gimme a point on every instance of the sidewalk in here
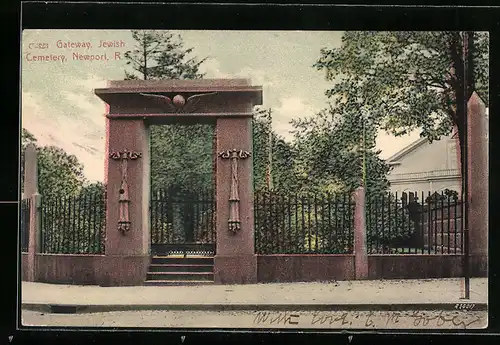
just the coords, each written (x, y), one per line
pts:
(428, 294)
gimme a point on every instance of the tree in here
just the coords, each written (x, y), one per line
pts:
(72, 209)
(283, 155)
(59, 173)
(332, 150)
(407, 80)
(181, 155)
(161, 55)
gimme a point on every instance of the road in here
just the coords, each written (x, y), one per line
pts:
(263, 319)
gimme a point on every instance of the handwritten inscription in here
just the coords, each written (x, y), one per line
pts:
(283, 318)
(462, 319)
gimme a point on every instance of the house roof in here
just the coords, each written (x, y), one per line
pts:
(421, 141)
(406, 150)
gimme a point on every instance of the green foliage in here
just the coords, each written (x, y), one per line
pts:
(158, 54)
(307, 223)
(388, 223)
(73, 211)
(396, 81)
(97, 189)
(182, 157)
(75, 224)
(58, 172)
(283, 155)
(404, 80)
(446, 196)
(332, 151)
(180, 216)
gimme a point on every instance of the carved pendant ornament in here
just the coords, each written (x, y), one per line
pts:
(124, 199)
(178, 104)
(234, 199)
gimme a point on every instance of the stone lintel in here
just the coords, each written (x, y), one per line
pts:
(126, 94)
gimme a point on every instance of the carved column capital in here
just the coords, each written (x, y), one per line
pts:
(125, 154)
(234, 154)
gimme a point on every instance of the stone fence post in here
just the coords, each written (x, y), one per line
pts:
(360, 252)
(31, 193)
(34, 244)
(477, 151)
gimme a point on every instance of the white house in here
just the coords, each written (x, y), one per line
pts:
(426, 167)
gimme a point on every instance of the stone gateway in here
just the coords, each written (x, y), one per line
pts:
(134, 106)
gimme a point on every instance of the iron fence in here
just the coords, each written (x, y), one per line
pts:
(285, 223)
(182, 217)
(310, 223)
(414, 224)
(25, 224)
(73, 225)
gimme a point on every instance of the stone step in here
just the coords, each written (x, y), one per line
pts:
(203, 276)
(191, 249)
(179, 260)
(208, 268)
(176, 282)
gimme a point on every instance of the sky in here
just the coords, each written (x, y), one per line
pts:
(60, 108)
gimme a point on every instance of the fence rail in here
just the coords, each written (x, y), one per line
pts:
(285, 223)
(25, 224)
(303, 224)
(73, 225)
(403, 225)
(180, 218)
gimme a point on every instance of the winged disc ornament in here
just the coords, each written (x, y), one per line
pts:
(178, 104)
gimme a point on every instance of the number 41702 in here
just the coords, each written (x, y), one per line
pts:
(464, 306)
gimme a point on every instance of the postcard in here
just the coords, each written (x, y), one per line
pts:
(254, 179)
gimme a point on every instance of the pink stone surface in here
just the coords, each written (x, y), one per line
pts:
(34, 237)
(133, 105)
(30, 192)
(69, 268)
(30, 171)
(478, 176)
(106, 145)
(304, 268)
(234, 134)
(24, 267)
(132, 136)
(123, 270)
(238, 269)
(415, 266)
(120, 271)
(233, 97)
(235, 260)
(177, 84)
(128, 113)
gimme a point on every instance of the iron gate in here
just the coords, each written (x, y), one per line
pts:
(182, 222)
